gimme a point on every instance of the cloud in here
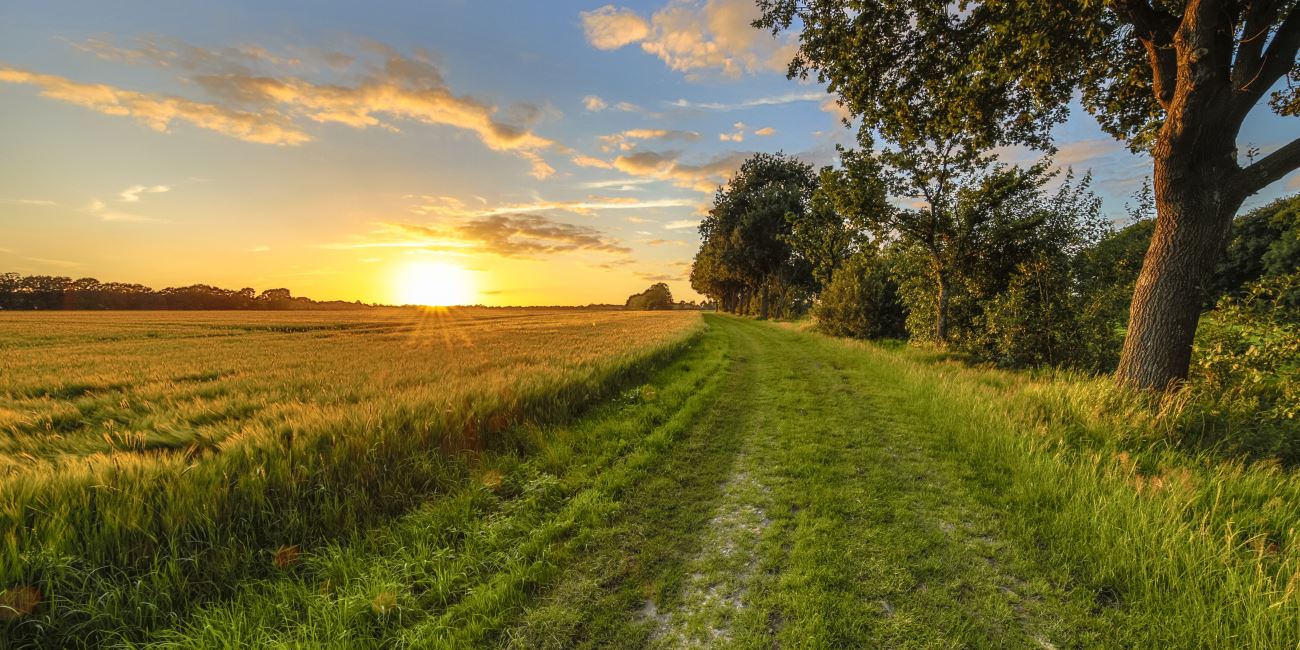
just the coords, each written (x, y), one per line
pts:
(101, 210)
(609, 28)
(665, 242)
(704, 177)
(594, 104)
(691, 36)
(621, 184)
(158, 112)
(834, 107)
(132, 194)
(1074, 153)
(260, 106)
(450, 207)
(1294, 183)
(681, 224)
(624, 140)
(765, 131)
(657, 277)
(67, 264)
(737, 136)
(771, 100)
(583, 160)
(35, 202)
(517, 236)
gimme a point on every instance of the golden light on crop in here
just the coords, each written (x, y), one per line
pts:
(435, 284)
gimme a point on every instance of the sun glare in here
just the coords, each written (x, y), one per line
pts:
(435, 284)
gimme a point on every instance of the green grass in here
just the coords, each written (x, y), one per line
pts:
(770, 486)
(153, 460)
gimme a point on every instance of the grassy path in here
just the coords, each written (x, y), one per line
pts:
(806, 511)
(774, 488)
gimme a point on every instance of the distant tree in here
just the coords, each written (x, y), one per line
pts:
(745, 252)
(1173, 79)
(657, 297)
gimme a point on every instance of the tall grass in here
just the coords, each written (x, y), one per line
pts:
(1180, 545)
(174, 453)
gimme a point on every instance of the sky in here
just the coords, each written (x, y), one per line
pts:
(527, 152)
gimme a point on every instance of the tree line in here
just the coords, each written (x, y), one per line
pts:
(19, 292)
(1015, 265)
(949, 82)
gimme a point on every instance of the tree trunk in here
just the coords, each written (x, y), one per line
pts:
(941, 311)
(764, 298)
(1194, 211)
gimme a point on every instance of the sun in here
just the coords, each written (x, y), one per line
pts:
(435, 284)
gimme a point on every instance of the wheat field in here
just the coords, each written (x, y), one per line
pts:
(148, 458)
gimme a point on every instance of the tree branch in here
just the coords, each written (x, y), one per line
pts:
(1257, 25)
(1155, 30)
(1268, 169)
(1274, 63)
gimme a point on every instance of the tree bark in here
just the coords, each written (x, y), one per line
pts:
(941, 311)
(1196, 179)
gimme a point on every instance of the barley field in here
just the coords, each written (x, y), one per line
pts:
(146, 459)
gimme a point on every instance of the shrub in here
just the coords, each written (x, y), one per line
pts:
(861, 301)
(1246, 372)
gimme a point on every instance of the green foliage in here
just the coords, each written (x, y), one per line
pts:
(861, 301)
(1265, 242)
(657, 297)
(1246, 371)
(745, 251)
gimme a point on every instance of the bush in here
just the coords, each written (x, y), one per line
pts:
(861, 301)
(1245, 375)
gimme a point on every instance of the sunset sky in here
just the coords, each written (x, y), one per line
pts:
(546, 152)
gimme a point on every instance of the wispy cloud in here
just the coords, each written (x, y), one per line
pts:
(132, 194)
(765, 131)
(623, 184)
(736, 136)
(681, 224)
(516, 236)
(773, 100)
(33, 202)
(262, 106)
(452, 207)
(158, 112)
(702, 177)
(624, 141)
(105, 213)
(67, 264)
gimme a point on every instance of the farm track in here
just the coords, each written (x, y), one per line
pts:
(830, 524)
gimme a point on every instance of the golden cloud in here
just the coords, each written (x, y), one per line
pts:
(705, 177)
(624, 141)
(516, 236)
(609, 28)
(260, 107)
(158, 112)
(689, 35)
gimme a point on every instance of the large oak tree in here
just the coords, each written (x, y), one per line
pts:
(1175, 78)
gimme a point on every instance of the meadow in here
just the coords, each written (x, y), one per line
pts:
(605, 479)
(148, 459)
